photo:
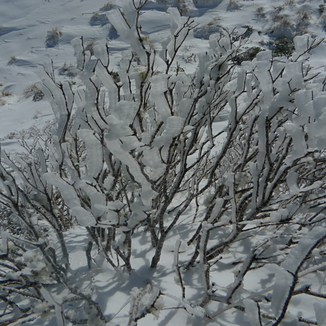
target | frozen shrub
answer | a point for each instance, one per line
(303, 18)
(290, 3)
(137, 182)
(12, 60)
(248, 31)
(189, 58)
(278, 9)
(206, 30)
(183, 7)
(283, 27)
(283, 46)
(98, 19)
(233, 5)
(33, 91)
(247, 55)
(5, 93)
(53, 37)
(12, 135)
(260, 13)
(68, 70)
(276, 18)
(108, 6)
(204, 3)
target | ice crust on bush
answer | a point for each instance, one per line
(53, 37)
(139, 160)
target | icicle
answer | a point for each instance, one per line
(241, 80)
(159, 86)
(320, 311)
(147, 193)
(57, 306)
(281, 288)
(295, 257)
(252, 312)
(79, 52)
(84, 217)
(101, 52)
(127, 33)
(174, 126)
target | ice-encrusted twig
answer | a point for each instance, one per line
(177, 268)
(140, 299)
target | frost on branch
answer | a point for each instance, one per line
(139, 157)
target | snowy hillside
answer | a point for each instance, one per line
(24, 26)
(172, 162)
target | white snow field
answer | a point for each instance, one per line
(169, 294)
(24, 26)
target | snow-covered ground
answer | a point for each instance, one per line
(24, 26)
(23, 29)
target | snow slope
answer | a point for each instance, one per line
(24, 26)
